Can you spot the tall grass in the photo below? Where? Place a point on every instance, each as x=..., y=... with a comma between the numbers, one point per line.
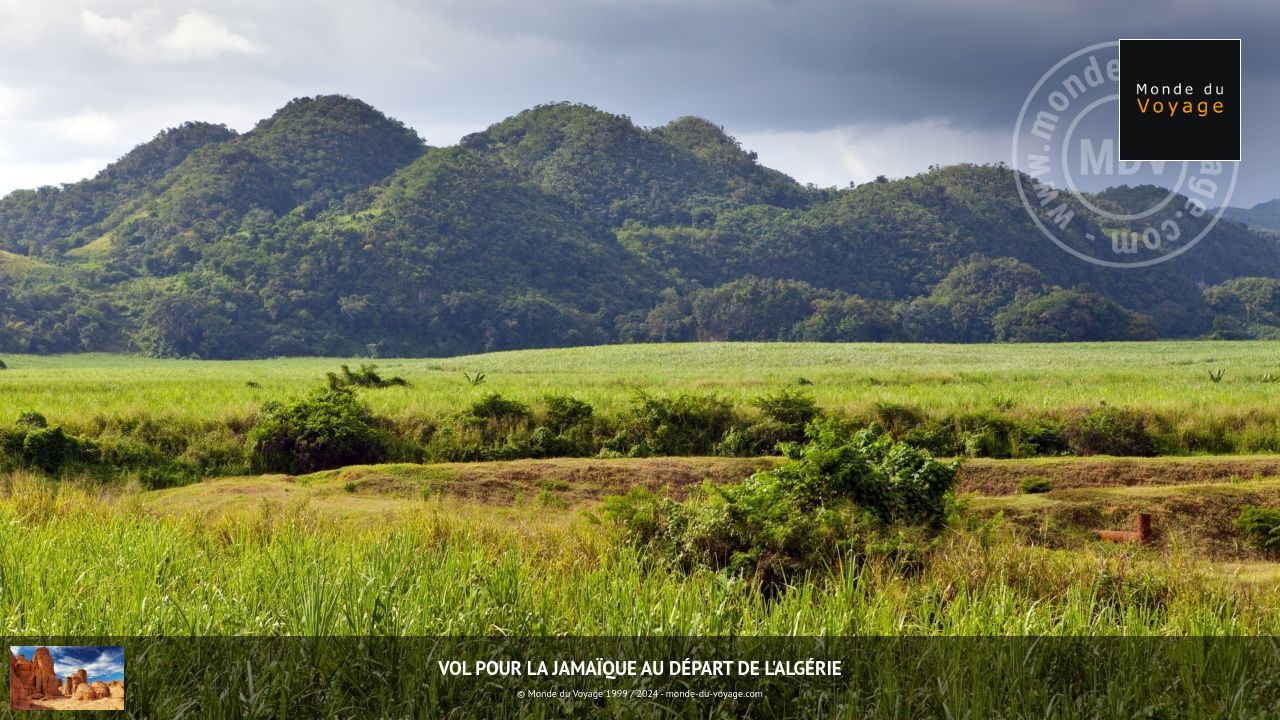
x=77, y=562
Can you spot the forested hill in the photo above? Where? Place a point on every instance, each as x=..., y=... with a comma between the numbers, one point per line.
x=331, y=229
x=1263, y=215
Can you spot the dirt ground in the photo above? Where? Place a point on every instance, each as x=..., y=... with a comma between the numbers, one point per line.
x=579, y=482
x=112, y=703
x=1001, y=477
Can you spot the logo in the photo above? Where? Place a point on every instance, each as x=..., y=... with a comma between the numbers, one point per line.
x=1101, y=209
x=1180, y=99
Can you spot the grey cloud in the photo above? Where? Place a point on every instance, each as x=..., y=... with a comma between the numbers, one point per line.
x=753, y=65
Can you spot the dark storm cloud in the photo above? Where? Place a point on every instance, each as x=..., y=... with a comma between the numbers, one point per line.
x=98, y=77
x=811, y=65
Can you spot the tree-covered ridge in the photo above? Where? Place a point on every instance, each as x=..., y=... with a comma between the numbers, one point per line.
x=1263, y=215
x=610, y=169
x=331, y=229
x=31, y=220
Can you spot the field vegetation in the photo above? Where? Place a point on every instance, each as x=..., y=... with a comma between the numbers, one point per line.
x=167, y=422
x=670, y=490
x=440, y=566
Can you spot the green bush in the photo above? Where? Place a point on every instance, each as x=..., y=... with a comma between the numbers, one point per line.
x=495, y=407
x=34, y=443
x=574, y=427
x=936, y=436
x=541, y=442
x=1043, y=436
x=898, y=417
x=684, y=424
x=785, y=415
x=50, y=448
x=788, y=406
x=761, y=438
x=565, y=413
x=166, y=475
x=327, y=429
x=366, y=377
x=1260, y=527
x=1110, y=431
x=11, y=446
x=840, y=492
x=32, y=420
x=985, y=434
x=495, y=428
x=1035, y=484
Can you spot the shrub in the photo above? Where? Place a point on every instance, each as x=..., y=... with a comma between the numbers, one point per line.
x=166, y=475
x=936, y=436
x=898, y=417
x=366, y=376
x=11, y=446
x=544, y=442
x=684, y=424
x=495, y=428
x=788, y=406
x=492, y=428
x=495, y=407
x=565, y=413
x=1109, y=431
x=1260, y=527
x=984, y=434
x=32, y=420
x=45, y=448
x=34, y=443
x=1043, y=436
x=785, y=415
x=760, y=438
x=3, y=366
x=328, y=429
x=1035, y=484
x=49, y=448
x=837, y=493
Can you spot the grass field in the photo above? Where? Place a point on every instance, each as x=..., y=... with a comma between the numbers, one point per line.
x=1170, y=377
x=320, y=574
x=520, y=548
x=270, y=556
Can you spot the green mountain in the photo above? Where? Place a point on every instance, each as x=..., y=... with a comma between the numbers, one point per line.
x=1263, y=215
x=31, y=220
x=331, y=229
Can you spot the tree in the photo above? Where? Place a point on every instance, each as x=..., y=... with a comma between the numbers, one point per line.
x=1071, y=315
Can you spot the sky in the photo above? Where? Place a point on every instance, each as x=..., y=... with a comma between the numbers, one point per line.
x=829, y=91
x=100, y=663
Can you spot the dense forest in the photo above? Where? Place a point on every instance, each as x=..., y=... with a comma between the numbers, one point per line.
x=331, y=229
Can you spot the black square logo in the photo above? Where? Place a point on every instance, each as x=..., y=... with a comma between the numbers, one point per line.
x=1179, y=100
